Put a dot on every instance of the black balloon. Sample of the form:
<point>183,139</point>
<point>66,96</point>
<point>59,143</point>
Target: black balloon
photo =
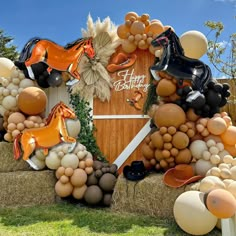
<point>55,78</point>
<point>42,81</point>
<point>213,98</point>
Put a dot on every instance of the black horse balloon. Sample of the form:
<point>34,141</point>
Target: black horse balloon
<point>177,64</point>
<point>174,62</point>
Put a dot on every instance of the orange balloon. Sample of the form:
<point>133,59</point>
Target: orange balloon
<point>165,88</point>
<point>131,15</point>
<point>229,136</point>
<point>122,31</point>
<point>155,27</point>
<point>137,27</point>
<point>216,125</point>
<point>231,149</point>
<point>32,101</point>
<point>221,203</point>
<point>169,114</point>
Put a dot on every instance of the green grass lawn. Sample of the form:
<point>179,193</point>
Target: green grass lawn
<point>66,219</point>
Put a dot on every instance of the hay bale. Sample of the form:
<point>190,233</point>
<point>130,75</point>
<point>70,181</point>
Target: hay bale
<point>149,196</point>
<point>27,188</point>
<point>8,163</point>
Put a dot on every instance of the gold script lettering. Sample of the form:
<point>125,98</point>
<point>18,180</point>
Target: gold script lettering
<point>129,81</point>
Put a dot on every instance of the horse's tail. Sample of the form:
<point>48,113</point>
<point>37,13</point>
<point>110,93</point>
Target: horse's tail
<point>26,51</point>
<point>16,147</point>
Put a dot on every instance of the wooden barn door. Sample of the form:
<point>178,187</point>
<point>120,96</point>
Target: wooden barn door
<point>120,126</point>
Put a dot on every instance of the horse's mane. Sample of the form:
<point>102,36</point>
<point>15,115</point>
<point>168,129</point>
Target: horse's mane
<point>51,114</point>
<point>75,42</point>
<point>179,47</point>
<point>53,110</point>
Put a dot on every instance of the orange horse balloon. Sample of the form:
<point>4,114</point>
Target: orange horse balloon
<point>53,133</point>
<point>57,57</point>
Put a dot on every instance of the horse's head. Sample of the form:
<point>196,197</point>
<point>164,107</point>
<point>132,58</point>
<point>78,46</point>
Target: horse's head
<point>60,109</point>
<point>88,48</point>
<point>66,112</point>
<point>162,39</point>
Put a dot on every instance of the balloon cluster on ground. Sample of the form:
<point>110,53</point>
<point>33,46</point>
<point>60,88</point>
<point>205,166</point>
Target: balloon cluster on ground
<point>188,127</point>
<point>22,106</point>
<point>80,176</point>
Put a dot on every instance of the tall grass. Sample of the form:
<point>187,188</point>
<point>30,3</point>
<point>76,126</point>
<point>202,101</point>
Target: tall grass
<point>67,219</point>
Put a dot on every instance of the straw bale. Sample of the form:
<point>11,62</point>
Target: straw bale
<point>8,163</point>
<point>149,196</point>
<point>27,188</point>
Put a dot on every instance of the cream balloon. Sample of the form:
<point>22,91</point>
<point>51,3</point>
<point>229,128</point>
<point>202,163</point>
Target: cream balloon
<point>52,161</point>
<point>128,46</point>
<point>194,44</point>
<point>9,102</point>
<point>73,127</point>
<point>6,66</point>
<point>2,110</point>
<point>192,215</point>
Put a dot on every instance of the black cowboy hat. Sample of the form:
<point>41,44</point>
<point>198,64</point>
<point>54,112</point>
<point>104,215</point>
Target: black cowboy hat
<point>135,172</point>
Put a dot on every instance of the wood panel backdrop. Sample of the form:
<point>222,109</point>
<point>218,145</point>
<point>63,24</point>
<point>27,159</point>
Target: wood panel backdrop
<point>117,121</point>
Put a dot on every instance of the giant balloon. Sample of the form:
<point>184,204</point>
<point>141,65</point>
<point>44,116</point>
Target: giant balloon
<point>192,215</point>
<point>32,101</point>
<point>194,44</point>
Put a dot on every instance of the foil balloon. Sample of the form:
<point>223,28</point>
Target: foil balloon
<point>205,95</point>
<point>174,62</point>
<point>56,57</point>
<point>39,70</point>
<point>30,139</point>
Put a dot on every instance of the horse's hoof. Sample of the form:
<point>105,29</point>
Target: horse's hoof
<point>72,147</point>
<point>72,82</point>
<point>32,164</point>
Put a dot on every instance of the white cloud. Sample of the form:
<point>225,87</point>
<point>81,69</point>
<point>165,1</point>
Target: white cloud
<point>231,1</point>
<point>227,1</point>
<point>224,44</point>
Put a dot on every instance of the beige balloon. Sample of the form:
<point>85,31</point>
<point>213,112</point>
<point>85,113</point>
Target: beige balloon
<point>6,66</point>
<point>128,47</point>
<point>137,28</point>
<point>73,127</point>
<point>194,44</point>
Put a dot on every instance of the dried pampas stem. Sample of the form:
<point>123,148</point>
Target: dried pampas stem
<point>95,80</point>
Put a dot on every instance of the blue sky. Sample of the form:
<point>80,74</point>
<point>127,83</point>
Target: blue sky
<point>62,21</point>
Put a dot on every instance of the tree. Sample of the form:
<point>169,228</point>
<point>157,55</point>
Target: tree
<point>6,48</point>
<point>217,50</point>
